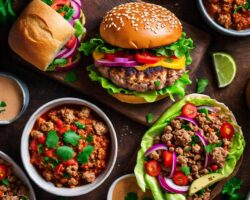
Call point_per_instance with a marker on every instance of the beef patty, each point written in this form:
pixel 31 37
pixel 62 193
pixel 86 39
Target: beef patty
pixel 154 78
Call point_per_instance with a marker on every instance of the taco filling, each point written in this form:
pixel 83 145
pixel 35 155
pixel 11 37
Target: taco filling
pixel 189 151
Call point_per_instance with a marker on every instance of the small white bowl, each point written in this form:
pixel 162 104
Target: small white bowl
pixel 19 173
pixel 48 186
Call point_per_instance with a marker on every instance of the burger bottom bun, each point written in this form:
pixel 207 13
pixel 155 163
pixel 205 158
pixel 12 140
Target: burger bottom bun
pixel 132 99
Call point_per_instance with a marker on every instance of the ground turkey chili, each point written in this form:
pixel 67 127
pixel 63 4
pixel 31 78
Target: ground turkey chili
pixel 11 188
pixel 69 145
pixel 194 144
pixel 234 14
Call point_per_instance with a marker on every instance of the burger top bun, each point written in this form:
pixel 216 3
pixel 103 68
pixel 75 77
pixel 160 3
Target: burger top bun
pixel 140 25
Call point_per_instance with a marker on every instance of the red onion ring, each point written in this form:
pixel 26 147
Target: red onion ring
pixel 174 163
pixel 204 142
pixel 108 63
pixel 77 9
pixel 155 148
pixel 209 108
pixel 66 53
pixel 188 119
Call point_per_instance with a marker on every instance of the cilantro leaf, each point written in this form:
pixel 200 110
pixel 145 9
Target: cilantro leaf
pixel 3 104
pixel 52 139
pixel 65 152
pixel 185 170
pixel 79 125
pixel 89 138
pixel 157 83
pixel 195 140
pixel 71 77
pixel 5 182
pixel 186 127
pixel 150 117
pixel 201 85
pixel 40 148
pixel 83 157
pixel 245 6
pixel 70 137
pixel 231 188
pixel 131 196
pixel 203 110
pixel 209 148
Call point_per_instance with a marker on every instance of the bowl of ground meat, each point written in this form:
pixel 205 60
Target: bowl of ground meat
pixel 229 17
pixel 69 147
pixel 191 151
pixel 14 184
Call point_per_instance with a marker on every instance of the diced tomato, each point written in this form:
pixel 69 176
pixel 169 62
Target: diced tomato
pixel 70 162
pixel 109 56
pixel 34 159
pixel 1 193
pixel 73 127
pixel 70 44
pixel 42 139
pixel 63 180
pixel 60 3
pixel 147 58
pixel 3 171
pixel 189 110
pixel 180 179
pixel 227 130
pixel 59 123
pixel 62 130
pixel 153 168
pixel 59 168
pixel 173 57
pixel 33 145
pixel 214 167
pixel 167 158
pixel 50 153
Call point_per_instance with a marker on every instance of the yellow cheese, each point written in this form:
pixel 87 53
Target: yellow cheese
pixel 174 64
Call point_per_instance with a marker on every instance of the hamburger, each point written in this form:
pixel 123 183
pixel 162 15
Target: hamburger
pixel 141 53
pixel 48 33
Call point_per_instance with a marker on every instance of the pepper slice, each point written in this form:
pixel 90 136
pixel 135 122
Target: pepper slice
pixel 189 110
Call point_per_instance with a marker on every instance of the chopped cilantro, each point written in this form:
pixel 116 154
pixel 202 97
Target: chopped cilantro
pixel 70 137
pixel 201 85
pixel 71 77
pixel 83 157
pixel 65 152
pixel 131 196
pixel 89 138
pixel 195 140
pixel 66 175
pixel 53 162
pixel 146 159
pixel 185 170
pixel 5 182
pixel 40 148
pixel 209 148
pixel 150 117
pixel 245 6
pixel 48 2
pixel 52 139
pixel 80 125
pixel 201 192
pixel 186 127
pixel 231 189
pixel 3 104
pixel 157 83
pixel 203 110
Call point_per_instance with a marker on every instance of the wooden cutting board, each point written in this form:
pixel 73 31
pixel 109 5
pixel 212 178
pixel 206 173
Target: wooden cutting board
pixel 94 11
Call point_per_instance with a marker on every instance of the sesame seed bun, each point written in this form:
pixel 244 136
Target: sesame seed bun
pixel 140 25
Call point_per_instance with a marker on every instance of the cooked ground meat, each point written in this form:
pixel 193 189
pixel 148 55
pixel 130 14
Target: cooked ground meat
pixel 141 81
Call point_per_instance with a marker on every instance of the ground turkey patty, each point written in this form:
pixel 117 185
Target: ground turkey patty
pixel 141 81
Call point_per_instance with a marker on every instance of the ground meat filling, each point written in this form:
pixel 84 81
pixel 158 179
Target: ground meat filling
pixel 141 81
pixel 180 136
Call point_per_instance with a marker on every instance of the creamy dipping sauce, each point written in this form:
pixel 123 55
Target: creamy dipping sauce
pixel 11 94
pixel 127 185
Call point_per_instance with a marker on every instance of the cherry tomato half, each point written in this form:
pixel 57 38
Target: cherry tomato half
pixel 109 56
pixel 180 179
pixel 167 158
pixel 71 42
pixel 70 162
pixel 214 167
pixel 42 139
pixel 147 58
pixel 153 168
pixel 189 110
pixel 227 130
pixel 3 171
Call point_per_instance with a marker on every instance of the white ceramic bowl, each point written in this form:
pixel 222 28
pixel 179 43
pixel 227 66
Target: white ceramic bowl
pixel 48 186
pixel 19 173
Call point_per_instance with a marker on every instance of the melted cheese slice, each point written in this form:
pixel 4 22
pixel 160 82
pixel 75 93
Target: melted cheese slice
pixel 174 64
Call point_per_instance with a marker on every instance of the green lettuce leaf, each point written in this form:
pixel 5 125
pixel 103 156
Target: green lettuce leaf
pixel 236 149
pixel 178 88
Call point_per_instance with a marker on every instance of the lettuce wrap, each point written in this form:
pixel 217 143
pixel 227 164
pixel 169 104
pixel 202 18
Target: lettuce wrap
pixel 236 149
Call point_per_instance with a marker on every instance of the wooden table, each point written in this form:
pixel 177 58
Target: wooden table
pixel 129 133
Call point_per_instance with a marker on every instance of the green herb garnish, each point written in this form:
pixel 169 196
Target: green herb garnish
pixel 66 175
pixel 89 138
pixel 79 125
pixel 40 148
pixel 201 85
pixel 52 139
pixel 52 162
pixel 48 2
pixel 70 137
pixel 231 189
pixel 201 192
pixel 209 148
pixel 3 104
pixel 203 110
pixel 83 157
pixel 157 83
pixel 244 6
pixel 71 77
pixel 65 152
pixel 59 61
pixel 131 196
pixel 186 127
pixel 195 140
pixel 185 170
pixel 150 117
pixel 5 182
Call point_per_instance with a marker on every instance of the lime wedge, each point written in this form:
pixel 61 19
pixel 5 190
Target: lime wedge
pixel 225 68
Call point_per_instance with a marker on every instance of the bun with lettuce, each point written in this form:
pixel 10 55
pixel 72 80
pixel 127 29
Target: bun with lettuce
pixel 141 53
pixel 48 33
pixel 195 143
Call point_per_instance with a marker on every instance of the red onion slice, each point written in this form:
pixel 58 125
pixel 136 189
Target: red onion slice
pixel 204 142
pixel 162 183
pixel 209 108
pixel 66 53
pixel 121 60
pixel 188 119
pixel 79 2
pixel 155 148
pixel 107 63
pixel 173 165
pixel 77 9
pixel 72 22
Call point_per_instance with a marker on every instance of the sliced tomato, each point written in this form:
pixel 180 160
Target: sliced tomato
pixel 73 127
pixel 180 179
pixel 189 110
pixel 173 57
pixel 50 153
pixel 153 168
pixel 62 130
pixel 42 139
pixel 3 171
pixel 227 130
pixel 60 3
pixel 70 44
pixel 70 162
pixel 33 145
pixel 147 58
pixel 214 167
pixel 59 123
pixel 59 168
pixel 167 158
pixel 109 56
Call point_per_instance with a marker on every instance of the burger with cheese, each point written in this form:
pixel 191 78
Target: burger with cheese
pixel 141 53
pixel 48 33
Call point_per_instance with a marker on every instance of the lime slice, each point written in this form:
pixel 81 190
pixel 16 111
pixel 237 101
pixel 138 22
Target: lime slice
pixel 225 68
